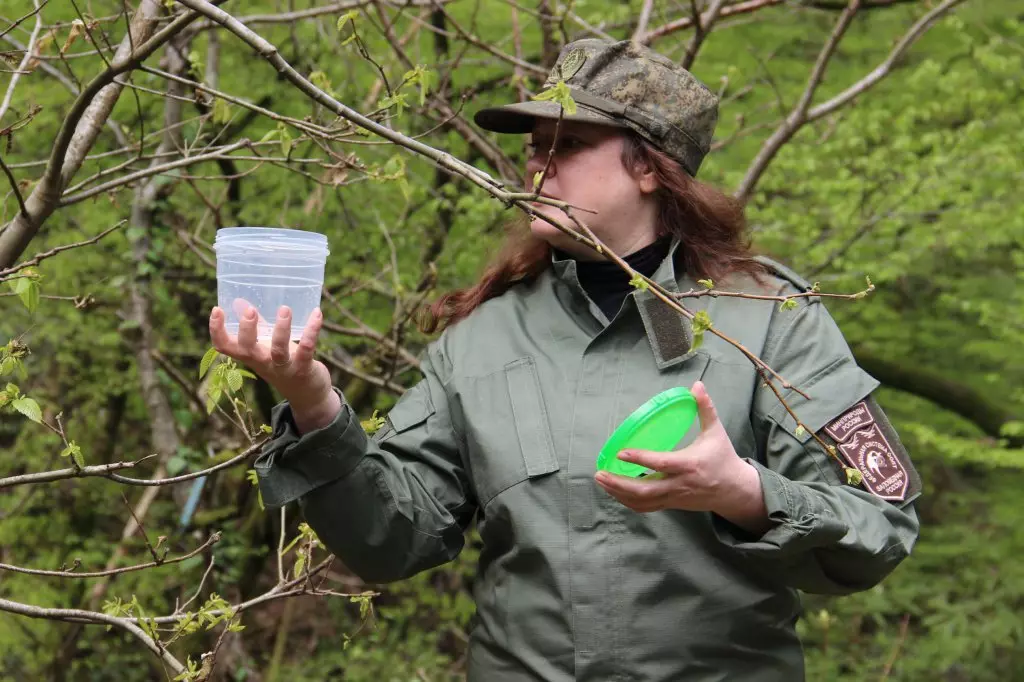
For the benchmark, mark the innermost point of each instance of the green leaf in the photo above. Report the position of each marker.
(698, 340)
(701, 322)
(221, 111)
(373, 424)
(853, 476)
(265, 428)
(559, 93)
(639, 282)
(788, 304)
(706, 283)
(27, 289)
(29, 408)
(208, 358)
(300, 563)
(347, 26)
(800, 431)
(234, 380)
(320, 80)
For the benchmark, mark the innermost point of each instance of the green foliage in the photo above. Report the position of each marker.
(916, 183)
(561, 94)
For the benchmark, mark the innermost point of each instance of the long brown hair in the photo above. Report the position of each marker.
(710, 225)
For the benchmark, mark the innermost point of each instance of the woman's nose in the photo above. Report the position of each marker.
(535, 164)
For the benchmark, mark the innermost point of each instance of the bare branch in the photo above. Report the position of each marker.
(14, 187)
(35, 260)
(83, 616)
(798, 116)
(212, 540)
(703, 24)
(883, 69)
(151, 171)
(26, 58)
(82, 124)
(643, 20)
(106, 471)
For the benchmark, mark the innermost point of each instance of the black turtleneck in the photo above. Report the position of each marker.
(607, 284)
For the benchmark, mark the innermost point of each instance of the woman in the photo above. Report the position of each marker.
(592, 576)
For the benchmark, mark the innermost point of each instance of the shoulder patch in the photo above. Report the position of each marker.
(867, 442)
(784, 272)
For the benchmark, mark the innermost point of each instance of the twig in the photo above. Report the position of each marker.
(26, 58)
(280, 550)
(28, 16)
(904, 628)
(715, 293)
(82, 616)
(105, 471)
(213, 539)
(35, 260)
(703, 25)
(142, 529)
(798, 116)
(643, 20)
(14, 188)
(151, 171)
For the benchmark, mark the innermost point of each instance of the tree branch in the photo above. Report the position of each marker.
(83, 616)
(35, 260)
(212, 540)
(798, 116)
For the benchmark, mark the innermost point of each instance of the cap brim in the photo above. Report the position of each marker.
(519, 118)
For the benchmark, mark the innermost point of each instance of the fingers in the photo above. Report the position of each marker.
(665, 462)
(307, 344)
(640, 495)
(705, 407)
(281, 338)
(247, 329)
(219, 336)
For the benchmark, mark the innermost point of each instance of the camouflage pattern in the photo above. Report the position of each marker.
(628, 85)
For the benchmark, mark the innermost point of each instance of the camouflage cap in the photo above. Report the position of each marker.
(627, 85)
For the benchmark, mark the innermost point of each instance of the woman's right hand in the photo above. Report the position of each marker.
(289, 367)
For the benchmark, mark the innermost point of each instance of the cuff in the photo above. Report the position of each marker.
(291, 465)
(802, 521)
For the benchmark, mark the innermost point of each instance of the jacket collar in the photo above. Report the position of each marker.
(669, 333)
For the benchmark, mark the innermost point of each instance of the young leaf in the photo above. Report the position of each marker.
(300, 563)
(373, 424)
(235, 380)
(701, 322)
(800, 431)
(853, 476)
(221, 111)
(788, 304)
(706, 283)
(639, 282)
(29, 408)
(208, 358)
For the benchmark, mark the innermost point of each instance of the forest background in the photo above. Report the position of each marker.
(875, 138)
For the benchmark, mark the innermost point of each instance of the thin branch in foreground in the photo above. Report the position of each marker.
(35, 260)
(106, 471)
(213, 539)
(80, 616)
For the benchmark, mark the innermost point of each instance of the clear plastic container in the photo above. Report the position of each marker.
(268, 267)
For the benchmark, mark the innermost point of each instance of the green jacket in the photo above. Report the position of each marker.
(515, 403)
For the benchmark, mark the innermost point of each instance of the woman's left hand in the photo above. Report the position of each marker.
(707, 475)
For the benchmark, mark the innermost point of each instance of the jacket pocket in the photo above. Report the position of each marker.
(507, 433)
(412, 409)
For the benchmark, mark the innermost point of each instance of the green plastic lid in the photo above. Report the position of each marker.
(658, 425)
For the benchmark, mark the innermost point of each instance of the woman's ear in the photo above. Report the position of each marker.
(647, 179)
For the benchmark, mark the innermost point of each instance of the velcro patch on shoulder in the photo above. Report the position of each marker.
(865, 439)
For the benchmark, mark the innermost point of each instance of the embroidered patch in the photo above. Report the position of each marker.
(572, 63)
(857, 417)
(864, 446)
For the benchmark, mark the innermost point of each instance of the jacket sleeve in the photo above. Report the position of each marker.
(829, 536)
(388, 506)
